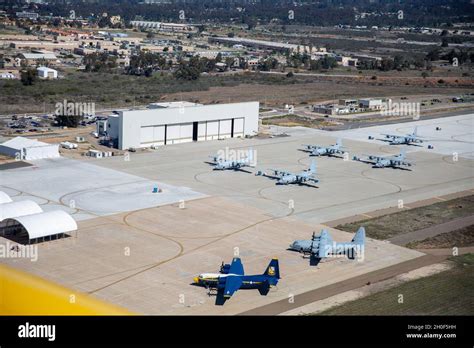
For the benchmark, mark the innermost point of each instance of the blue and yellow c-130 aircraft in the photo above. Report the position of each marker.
(232, 278)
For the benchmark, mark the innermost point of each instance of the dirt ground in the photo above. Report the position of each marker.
(312, 92)
(463, 237)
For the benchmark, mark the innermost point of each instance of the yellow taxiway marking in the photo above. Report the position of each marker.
(441, 199)
(366, 215)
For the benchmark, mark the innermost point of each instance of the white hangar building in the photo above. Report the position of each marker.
(29, 149)
(181, 122)
(25, 221)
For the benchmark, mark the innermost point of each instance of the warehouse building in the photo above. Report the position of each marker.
(25, 221)
(181, 122)
(29, 149)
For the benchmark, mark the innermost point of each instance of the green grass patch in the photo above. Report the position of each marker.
(406, 221)
(446, 293)
(463, 237)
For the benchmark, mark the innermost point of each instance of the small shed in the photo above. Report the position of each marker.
(47, 73)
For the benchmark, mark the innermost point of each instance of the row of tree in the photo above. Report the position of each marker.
(313, 12)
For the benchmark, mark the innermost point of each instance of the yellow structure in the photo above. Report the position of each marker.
(25, 294)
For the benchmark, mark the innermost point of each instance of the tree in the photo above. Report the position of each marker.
(433, 55)
(99, 61)
(186, 71)
(268, 64)
(68, 121)
(387, 64)
(29, 76)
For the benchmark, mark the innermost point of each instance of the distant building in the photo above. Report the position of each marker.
(27, 15)
(28, 149)
(160, 26)
(372, 104)
(7, 75)
(332, 109)
(47, 73)
(181, 122)
(348, 102)
(35, 57)
(261, 44)
(347, 61)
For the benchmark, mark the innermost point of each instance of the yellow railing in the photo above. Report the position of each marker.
(25, 294)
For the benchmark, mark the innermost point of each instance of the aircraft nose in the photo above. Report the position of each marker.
(196, 280)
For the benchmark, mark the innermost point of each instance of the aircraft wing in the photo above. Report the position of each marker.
(236, 267)
(232, 284)
(403, 163)
(310, 147)
(374, 158)
(367, 158)
(393, 136)
(214, 160)
(279, 173)
(325, 242)
(315, 180)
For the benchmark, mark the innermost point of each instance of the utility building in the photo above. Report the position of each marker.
(29, 149)
(181, 122)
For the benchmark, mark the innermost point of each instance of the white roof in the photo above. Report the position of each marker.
(4, 198)
(46, 69)
(244, 41)
(171, 105)
(21, 142)
(21, 208)
(39, 56)
(46, 224)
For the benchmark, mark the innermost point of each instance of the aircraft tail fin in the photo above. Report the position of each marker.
(339, 142)
(312, 168)
(402, 154)
(359, 237)
(415, 132)
(250, 157)
(273, 269)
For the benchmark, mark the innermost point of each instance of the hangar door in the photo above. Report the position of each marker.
(225, 129)
(238, 128)
(179, 133)
(212, 130)
(202, 129)
(152, 135)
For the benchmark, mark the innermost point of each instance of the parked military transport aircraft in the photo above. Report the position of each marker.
(233, 164)
(396, 161)
(408, 139)
(232, 278)
(316, 150)
(323, 246)
(285, 178)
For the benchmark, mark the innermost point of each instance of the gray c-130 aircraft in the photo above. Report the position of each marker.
(408, 139)
(316, 150)
(396, 161)
(323, 246)
(302, 178)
